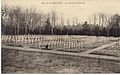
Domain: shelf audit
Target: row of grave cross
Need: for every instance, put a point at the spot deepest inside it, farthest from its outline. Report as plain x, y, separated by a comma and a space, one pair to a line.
41, 41
47, 41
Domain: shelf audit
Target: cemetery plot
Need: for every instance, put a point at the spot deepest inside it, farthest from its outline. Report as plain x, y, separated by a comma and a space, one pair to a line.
109, 51
83, 47
55, 42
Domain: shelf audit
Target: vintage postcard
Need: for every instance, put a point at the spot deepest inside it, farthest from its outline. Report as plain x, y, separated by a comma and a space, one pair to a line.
60, 36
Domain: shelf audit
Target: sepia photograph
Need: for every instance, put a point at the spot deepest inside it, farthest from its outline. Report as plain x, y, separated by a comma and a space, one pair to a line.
60, 36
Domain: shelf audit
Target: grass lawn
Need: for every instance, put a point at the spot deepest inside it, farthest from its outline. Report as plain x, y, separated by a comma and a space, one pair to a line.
33, 62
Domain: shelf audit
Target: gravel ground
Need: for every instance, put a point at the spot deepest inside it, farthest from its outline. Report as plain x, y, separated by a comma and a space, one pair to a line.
31, 62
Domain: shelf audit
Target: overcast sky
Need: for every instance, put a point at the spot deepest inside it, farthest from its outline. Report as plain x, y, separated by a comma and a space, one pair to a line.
82, 11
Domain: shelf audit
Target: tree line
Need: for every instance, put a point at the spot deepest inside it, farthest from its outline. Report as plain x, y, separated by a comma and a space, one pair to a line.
18, 21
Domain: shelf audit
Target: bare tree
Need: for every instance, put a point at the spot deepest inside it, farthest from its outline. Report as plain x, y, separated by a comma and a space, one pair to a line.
17, 12
4, 16
68, 21
95, 18
62, 21
53, 18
